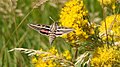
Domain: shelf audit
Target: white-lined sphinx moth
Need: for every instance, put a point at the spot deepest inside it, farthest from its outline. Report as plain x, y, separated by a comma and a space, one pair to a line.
52, 31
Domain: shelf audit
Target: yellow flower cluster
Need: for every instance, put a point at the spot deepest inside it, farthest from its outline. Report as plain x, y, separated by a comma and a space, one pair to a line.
106, 56
74, 15
50, 59
40, 61
110, 3
106, 2
113, 28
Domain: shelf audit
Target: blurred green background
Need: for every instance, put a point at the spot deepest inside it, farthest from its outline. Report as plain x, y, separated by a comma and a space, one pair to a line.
14, 32
14, 17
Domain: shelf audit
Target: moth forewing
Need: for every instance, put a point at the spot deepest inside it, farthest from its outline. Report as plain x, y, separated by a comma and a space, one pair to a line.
63, 30
42, 29
38, 26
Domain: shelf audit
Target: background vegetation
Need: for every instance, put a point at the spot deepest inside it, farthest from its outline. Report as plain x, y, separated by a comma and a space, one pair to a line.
14, 32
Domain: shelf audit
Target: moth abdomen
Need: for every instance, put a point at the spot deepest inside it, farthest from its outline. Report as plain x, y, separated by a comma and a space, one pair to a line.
52, 38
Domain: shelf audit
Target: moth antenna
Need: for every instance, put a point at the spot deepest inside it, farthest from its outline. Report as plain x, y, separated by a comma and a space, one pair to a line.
52, 19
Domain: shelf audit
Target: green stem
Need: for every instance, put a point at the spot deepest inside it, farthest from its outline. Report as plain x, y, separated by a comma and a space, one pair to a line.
76, 52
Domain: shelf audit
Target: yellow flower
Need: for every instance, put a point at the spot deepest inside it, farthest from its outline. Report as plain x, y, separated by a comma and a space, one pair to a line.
67, 55
113, 28
34, 60
53, 50
74, 15
113, 7
106, 56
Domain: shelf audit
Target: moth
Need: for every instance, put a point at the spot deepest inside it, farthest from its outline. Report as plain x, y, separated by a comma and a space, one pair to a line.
52, 31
